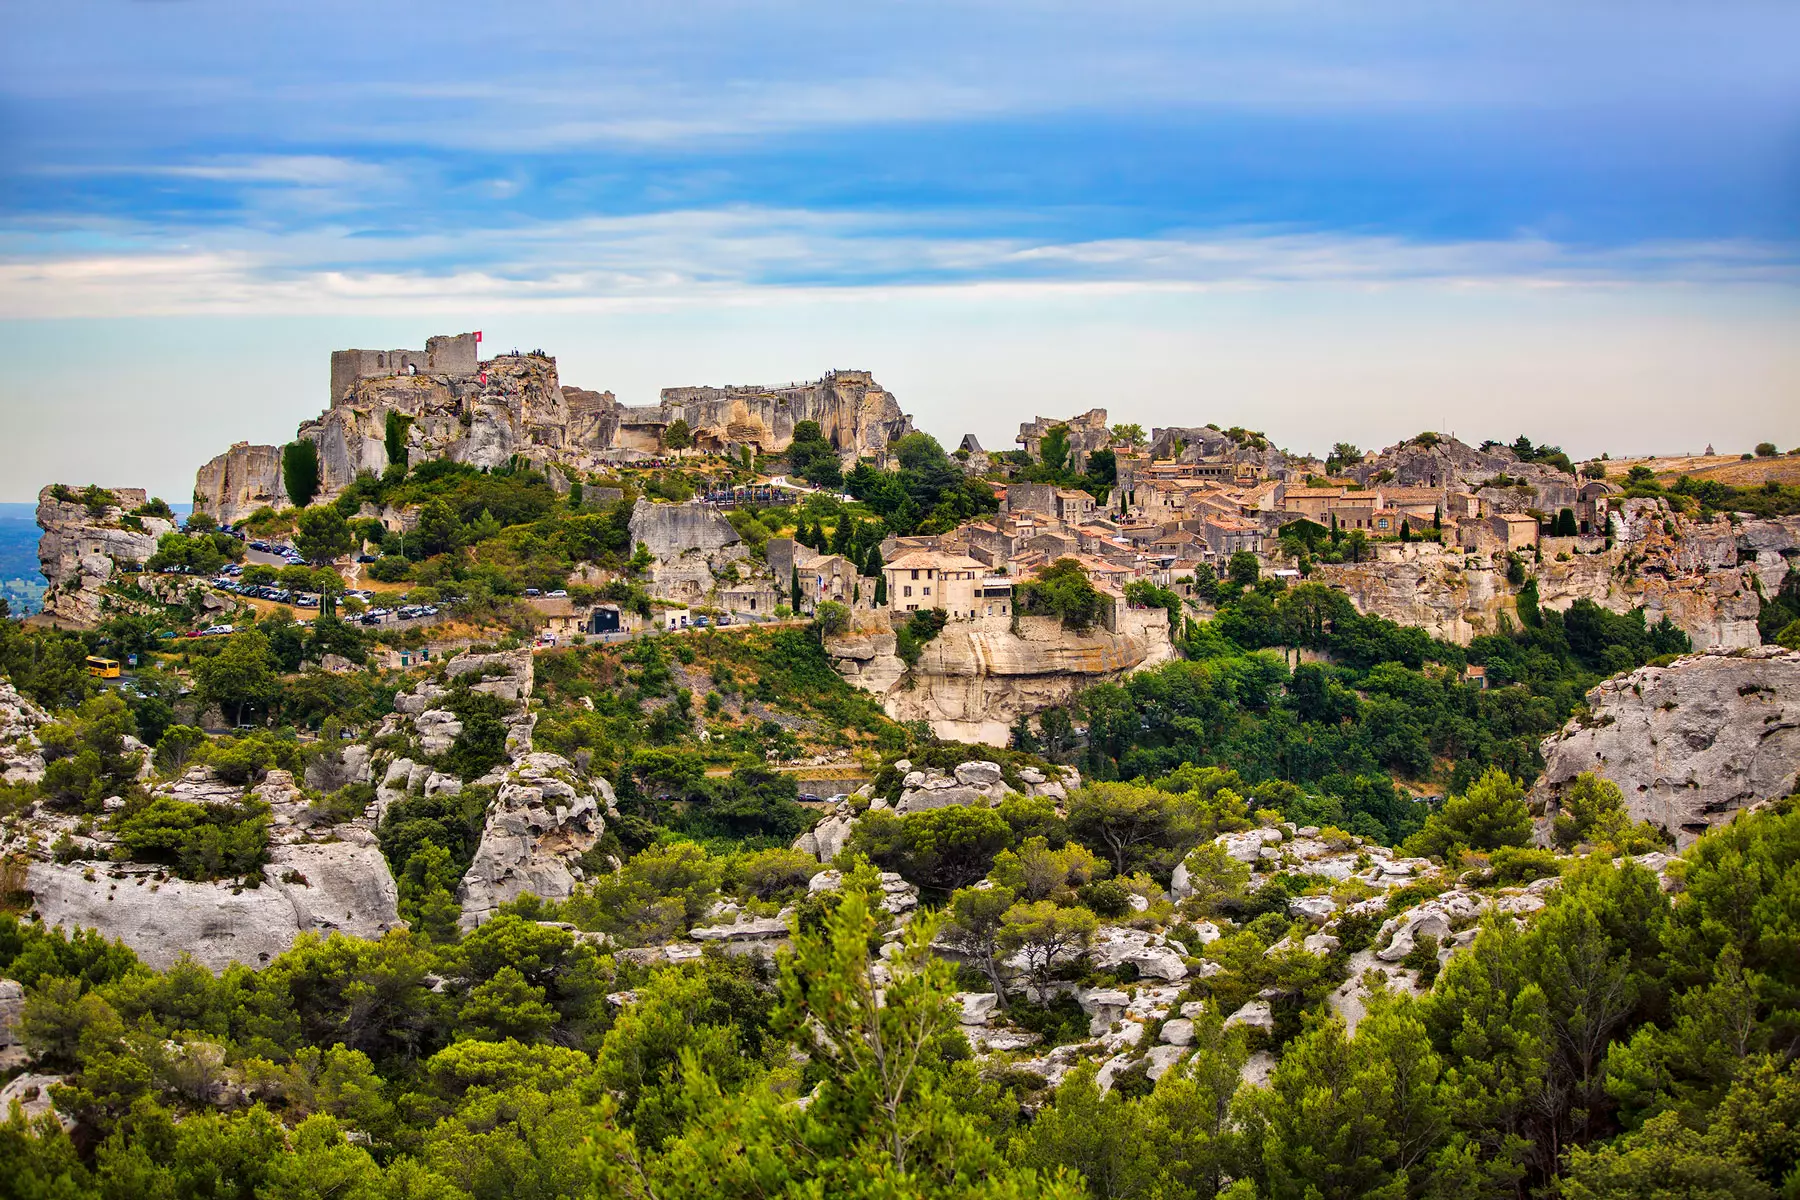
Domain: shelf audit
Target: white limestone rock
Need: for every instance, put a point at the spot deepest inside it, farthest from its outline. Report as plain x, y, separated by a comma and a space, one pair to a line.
540, 824
1255, 1014
1150, 953
1688, 744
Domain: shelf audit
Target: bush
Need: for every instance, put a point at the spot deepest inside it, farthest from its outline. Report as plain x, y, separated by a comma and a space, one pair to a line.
201, 841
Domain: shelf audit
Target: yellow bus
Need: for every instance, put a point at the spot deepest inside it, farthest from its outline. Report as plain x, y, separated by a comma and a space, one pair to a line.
103, 668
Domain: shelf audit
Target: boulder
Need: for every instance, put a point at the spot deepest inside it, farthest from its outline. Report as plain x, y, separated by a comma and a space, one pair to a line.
980, 774
1688, 744
743, 929
1255, 1014
977, 1007
32, 1094
331, 771
1178, 1032
21, 757
827, 839
1150, 953
1161, 1058
1317, 909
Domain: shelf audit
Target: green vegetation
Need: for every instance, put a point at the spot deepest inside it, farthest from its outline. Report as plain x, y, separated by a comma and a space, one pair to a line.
300, 471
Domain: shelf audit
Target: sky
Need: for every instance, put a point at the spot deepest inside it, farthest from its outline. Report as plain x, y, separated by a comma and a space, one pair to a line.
1330, 222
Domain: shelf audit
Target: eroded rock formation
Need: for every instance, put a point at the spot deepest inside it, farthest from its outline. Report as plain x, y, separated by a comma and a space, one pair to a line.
1703, 577
320, 878
90, 536
976, 678
484, 413
1688, 744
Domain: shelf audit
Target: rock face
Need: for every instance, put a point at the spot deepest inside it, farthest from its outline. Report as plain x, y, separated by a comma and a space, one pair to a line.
690, 542
1691, 576
480, 414
856, 415
319, 879
240, 481
459, 408
21, 757
1688, 744
541, 824
12, 1011
976, 678
85, 544
307, 888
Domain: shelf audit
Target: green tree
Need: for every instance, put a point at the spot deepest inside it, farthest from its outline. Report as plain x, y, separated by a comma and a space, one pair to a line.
1062, 590
1098, 1134
677, 436
1044, 935
1243, 568
1053, 450
394, 432
1130, 436
240, 676
974, 921
323, 535
439, 529
1592, 809
300, 472
1663, 1161
1490, 814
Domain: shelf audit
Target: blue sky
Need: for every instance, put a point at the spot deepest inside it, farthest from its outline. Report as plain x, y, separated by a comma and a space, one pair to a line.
1327, 220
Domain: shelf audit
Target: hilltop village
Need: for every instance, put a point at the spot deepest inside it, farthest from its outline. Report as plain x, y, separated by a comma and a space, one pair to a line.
493, 765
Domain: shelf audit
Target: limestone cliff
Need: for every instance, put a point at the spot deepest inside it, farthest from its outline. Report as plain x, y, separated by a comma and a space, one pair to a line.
856, 414
1686, 571
1688, 744
514, 405
484, 413
240, 481
320, 878
690, 542
90, 535
976, 678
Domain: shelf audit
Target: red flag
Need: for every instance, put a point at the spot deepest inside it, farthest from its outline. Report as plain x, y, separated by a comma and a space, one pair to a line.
484, 378
478, 335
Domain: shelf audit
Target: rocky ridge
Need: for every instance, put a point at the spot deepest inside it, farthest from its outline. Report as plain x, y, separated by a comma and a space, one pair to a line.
1689, 744
1703, 578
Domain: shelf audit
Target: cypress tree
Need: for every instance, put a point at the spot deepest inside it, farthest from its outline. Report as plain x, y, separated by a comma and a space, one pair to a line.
794, 590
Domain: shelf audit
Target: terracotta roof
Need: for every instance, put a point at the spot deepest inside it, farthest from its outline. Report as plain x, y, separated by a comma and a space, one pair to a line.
919, 560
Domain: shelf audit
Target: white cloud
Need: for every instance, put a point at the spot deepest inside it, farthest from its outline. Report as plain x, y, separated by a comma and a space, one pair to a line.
715, 255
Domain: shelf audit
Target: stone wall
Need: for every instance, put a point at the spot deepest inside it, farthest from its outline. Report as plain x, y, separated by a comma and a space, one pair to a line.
457, 354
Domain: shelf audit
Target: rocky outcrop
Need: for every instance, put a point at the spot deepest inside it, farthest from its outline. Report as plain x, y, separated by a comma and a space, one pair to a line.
1688, 744
856, 415
690, 543
1691, 576
90, 536
487, 413
240, 481
320, 878
21, 756
12, 1013
545, 818
976, 678
323, 887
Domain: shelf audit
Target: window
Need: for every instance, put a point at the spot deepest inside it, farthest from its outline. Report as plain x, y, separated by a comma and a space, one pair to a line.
915, 575
926, 592
907, 590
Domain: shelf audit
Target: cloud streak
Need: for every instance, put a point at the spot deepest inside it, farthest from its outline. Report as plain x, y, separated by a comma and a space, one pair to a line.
713, 254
